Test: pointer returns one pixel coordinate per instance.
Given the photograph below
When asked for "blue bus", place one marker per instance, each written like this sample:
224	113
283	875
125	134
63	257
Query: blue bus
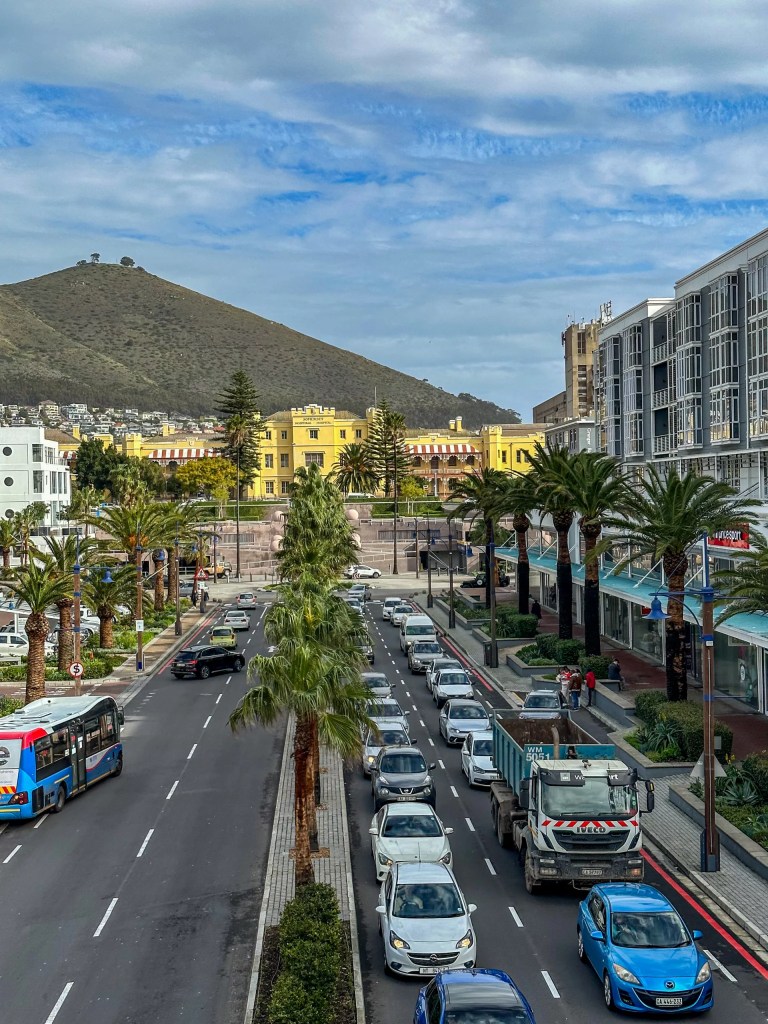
53	749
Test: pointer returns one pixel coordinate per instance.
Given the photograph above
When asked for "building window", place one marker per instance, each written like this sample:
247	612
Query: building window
37	481
285	487
283	435
37	453
269	487
284	462
314	459
343	435
470	460
313	435
757	346
358	434
267	435
269	461
581	344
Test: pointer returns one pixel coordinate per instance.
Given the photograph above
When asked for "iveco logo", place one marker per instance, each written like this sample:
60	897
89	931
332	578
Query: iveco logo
669	984
5	756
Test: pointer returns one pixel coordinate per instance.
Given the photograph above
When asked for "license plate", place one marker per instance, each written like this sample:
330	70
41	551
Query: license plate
428	970
669	1000
407	798
592	872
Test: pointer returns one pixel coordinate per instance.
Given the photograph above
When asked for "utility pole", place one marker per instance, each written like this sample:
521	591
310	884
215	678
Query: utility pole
237	518
416	523
77	594
138	613
710	839
451	604
177	627
430	598
493	659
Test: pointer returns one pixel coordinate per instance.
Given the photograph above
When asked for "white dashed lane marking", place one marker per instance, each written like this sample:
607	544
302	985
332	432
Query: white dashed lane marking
723	970
455	793
194	748
172	790
516	917
12	854
106	917
430	741
490	866
207	721
59	1003
470	826
441	764
550	984
143	846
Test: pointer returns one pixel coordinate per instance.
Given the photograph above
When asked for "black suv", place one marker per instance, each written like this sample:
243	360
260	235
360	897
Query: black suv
203	661
479	580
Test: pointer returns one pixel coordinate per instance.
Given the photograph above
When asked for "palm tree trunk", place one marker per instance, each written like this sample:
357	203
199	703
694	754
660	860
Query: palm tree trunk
523	564
564	583
172	570
159	594
106	634
36	628
591	594
313	785
302	860
677	676
6	558
66	636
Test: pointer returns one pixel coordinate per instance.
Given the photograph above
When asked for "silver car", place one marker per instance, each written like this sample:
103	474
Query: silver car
477	759
424	920
437	665
378	684
421	655
450	683
387	710
399	612
544	704
388	734
388	606
461	717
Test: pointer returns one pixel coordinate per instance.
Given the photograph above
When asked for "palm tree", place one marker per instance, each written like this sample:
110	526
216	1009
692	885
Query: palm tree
746	583
517	498
669	515
318	536
8	538
79	508
354	472
105	597
58	559
479	494
134	529
25	521
548	465
36	587
181	523
127	485
592	483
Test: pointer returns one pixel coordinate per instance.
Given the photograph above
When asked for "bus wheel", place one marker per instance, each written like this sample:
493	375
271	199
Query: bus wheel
61	796
118	769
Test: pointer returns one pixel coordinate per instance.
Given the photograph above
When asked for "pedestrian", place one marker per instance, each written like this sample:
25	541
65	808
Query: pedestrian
563	677
194	597
614	673
574	686
591	682
536	609
571	754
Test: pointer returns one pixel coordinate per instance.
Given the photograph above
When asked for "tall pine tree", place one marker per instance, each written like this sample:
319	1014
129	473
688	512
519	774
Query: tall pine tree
239	409
385	446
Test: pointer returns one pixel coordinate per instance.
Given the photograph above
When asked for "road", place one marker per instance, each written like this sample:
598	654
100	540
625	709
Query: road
533	938
138	903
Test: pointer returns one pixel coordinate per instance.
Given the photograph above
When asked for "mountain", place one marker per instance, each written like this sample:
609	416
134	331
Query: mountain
115	336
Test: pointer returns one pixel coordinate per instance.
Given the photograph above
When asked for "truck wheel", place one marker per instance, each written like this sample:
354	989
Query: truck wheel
504	838
531	885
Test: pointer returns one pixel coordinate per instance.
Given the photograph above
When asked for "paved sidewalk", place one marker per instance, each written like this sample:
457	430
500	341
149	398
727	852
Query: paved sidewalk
735	889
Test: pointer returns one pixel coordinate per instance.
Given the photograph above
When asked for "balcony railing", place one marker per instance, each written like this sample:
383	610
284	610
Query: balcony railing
660	353
661	397
664	443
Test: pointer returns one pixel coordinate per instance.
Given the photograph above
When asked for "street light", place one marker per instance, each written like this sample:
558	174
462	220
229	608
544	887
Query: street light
430	598
416	524
451	605
490	568
138	609
177	626
77	593
710	839
237	520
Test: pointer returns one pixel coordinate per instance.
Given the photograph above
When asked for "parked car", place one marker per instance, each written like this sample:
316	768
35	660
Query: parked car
388	734
203	660
223	636
437	666
477	759
247	601
377	683
424	920
387	710
361	591
407	832
362	572
451	682
388	607
14	643
461	717
642	951
544	704
479	995
185	589
401	773
422	654
478	580
399	612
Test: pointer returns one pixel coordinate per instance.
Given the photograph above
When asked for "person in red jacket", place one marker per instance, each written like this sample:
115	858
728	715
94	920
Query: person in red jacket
590	680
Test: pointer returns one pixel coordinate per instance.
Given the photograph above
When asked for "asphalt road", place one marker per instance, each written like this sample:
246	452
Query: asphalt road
138	904
533	938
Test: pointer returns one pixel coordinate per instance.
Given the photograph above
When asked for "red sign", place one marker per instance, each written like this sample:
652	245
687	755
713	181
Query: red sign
736	538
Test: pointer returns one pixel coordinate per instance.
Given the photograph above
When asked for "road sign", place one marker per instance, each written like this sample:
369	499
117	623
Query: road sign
201	574
698	770
75	670
139	625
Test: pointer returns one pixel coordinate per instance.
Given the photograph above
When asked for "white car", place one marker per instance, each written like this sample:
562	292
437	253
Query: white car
361	592
424	921
451	683
437	666
387	734
461	717
388	607
408	832
378	684
362	572
477	759
247	602
387	711
399	612
237	620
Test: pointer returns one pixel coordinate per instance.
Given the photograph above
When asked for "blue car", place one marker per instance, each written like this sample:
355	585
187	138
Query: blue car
642	951
464	996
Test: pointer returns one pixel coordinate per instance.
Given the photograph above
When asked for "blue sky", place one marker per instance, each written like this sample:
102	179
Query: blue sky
440	185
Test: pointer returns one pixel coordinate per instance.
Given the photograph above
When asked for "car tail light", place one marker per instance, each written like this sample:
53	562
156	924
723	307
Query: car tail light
19	798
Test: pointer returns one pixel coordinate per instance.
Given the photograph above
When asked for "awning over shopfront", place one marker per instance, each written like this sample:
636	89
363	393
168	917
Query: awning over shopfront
180	455
442	449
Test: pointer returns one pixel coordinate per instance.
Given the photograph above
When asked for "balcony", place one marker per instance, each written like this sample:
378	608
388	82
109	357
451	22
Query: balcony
661	398
664	443
660	353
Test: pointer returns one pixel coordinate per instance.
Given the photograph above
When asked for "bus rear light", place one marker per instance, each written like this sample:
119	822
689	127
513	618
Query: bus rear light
19	798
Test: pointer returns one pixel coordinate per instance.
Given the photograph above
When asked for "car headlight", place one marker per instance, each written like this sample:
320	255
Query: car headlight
385	860
466	941
371	758
396	942
383	790
446	858
624	975
704	974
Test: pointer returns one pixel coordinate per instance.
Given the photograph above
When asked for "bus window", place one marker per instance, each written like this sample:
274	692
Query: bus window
107	723
92	737
43	754
60	744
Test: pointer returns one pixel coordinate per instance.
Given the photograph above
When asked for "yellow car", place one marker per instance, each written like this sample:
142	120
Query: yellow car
223	636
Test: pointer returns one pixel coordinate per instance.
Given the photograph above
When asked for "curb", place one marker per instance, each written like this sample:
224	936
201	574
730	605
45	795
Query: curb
356	967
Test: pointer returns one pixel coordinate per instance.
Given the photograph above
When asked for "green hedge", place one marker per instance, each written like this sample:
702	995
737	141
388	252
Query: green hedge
547	645
94	668
311	951
9	704
512	624
755	766
687	719
597	662
648	705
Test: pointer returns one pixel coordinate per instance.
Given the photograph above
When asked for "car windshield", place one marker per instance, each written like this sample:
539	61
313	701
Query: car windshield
385	709
414	630
428	899
246	597
412	826
483	748
493	1015
220	631
385	738
404	764
542	700
401	609
595	799
440	666
648	931
376	680
425	647
467	711
453	679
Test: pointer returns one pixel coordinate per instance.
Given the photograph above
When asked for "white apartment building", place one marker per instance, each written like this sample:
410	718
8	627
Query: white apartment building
31	469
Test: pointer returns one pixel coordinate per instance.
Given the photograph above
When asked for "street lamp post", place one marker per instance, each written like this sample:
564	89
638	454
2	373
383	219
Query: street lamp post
237	519
395	570
177	626
493	655
430	598
451	603
77	594
138	613
416	523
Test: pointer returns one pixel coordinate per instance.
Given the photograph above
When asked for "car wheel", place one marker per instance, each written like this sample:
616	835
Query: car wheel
608	991
580	946
61	796
376	574
239	664
204	672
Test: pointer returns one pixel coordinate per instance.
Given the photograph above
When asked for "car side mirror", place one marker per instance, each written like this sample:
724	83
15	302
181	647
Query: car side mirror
471	908
373	831
524	797
448	831
381	910
597	935
121	715
650	798
432	766
697	934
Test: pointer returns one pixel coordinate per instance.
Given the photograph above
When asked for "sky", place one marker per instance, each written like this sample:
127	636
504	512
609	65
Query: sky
439	185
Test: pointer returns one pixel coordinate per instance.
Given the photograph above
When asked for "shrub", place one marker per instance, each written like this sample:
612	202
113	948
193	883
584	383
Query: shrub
547	645
597	662
755	766
689	720
569	652
311	947
512	624
739	791
9	705
647	705
663	735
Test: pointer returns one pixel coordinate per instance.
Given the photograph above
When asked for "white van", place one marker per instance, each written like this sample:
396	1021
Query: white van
416	627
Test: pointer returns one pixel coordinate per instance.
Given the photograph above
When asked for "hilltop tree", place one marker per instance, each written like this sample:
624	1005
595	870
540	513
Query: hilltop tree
239	408
82	263
95	257
126	261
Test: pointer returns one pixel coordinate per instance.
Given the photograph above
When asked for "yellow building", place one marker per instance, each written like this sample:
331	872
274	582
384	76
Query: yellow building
510	445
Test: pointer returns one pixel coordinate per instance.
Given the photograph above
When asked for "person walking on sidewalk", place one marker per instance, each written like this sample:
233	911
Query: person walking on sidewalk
614	673
536	608
563	677
574	686
591	682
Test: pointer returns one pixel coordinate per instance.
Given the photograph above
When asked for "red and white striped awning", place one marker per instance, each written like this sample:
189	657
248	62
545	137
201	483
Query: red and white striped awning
180	455
441	449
